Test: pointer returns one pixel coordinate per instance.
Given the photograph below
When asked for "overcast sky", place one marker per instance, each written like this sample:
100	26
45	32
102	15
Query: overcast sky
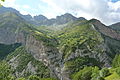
107	11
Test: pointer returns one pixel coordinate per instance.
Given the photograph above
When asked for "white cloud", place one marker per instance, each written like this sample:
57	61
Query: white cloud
104	10
114	6
114	12
26	6
24	12
51	10
10	3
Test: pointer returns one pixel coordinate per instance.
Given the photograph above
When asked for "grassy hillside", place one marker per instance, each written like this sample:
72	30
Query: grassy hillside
78	35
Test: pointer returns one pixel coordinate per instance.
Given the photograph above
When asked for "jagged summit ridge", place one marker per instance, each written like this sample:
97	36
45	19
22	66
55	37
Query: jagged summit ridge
42	20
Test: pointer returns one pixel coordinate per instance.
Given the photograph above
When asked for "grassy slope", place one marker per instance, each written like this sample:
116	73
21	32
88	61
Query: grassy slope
78	35
114	76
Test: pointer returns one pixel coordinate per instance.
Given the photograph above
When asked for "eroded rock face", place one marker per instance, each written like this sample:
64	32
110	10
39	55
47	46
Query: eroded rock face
111	37
47	54
10	24
14	62
6	37
29	68
106	30
101	56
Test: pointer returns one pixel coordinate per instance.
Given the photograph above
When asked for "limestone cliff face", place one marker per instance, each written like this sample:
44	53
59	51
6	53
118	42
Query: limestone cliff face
6	36
106	30
50	56
102	57
10	24
15	61
111	37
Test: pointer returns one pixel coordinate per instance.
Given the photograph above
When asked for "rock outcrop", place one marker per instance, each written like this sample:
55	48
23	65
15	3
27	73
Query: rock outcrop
106	30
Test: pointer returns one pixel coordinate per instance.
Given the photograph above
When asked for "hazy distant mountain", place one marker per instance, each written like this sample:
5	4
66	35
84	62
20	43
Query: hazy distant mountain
42	20
10	23
26	17
4	9
116	26
66	18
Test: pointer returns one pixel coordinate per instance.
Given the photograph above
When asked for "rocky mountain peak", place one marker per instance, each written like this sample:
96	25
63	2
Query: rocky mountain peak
8	9
40	18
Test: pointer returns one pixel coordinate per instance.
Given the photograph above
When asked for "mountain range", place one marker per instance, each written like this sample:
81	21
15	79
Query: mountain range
42	20
62	48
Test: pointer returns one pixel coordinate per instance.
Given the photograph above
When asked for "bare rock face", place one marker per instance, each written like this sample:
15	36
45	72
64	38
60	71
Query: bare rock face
6	36
29	68
15	61
111	36
10	25
101	57
106	30
50	56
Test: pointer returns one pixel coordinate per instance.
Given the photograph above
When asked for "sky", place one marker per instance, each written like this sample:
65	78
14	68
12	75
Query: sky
107	11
